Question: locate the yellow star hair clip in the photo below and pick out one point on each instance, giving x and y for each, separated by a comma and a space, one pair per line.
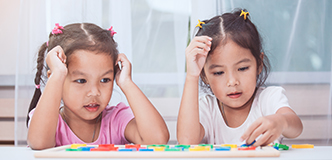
199, 24
244, 14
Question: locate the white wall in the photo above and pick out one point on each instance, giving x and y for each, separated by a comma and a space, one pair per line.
9, 16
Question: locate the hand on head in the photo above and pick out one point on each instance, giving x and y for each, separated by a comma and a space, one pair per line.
196, 54
123, 75
56, 60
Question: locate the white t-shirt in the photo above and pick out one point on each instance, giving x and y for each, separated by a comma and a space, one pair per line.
267, 101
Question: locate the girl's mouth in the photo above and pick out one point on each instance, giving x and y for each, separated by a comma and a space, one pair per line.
234, 95
92, 107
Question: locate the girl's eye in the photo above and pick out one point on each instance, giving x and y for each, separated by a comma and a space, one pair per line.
80, 81
218, 73
243, 68
105, 80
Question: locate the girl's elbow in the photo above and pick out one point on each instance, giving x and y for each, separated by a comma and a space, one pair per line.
295, 131
39, 144
187, 140
163, 138
299, 130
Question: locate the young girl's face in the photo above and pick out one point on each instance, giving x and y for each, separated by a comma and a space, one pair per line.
89, 83
231, 72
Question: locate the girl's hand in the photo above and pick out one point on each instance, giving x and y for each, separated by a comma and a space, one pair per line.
196, 54
269, 127
56, 60
123, 75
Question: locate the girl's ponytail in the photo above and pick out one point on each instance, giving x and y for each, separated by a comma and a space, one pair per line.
38, 79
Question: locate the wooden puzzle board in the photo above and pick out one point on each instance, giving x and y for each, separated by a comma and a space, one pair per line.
59, 152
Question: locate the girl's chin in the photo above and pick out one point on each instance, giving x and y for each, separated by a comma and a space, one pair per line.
235, 105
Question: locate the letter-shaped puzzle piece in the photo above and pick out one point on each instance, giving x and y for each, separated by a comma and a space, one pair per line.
75, 146
247, 148
302, 146
229, 145
222, 148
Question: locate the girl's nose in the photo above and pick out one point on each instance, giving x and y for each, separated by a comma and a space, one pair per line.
232, 81
94, 91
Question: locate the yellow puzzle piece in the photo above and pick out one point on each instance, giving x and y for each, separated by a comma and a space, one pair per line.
302, 146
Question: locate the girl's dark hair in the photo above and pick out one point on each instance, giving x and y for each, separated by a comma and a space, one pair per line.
232, 26
77, 36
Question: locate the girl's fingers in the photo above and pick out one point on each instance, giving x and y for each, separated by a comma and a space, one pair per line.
62, 56
59, 53
198, 51
203, 39
263, 139
257, 132
249, 131
200, 42
201, 45
123, 60
270, 140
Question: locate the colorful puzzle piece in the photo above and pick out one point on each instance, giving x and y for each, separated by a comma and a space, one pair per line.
136, 146
127, 149
222, 149
182, 146
206, 145
280, 146
229, 145
174, 149
247, 148
157, 148
200, 148
302, 146
75, 146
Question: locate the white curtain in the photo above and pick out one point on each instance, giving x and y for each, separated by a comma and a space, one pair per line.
152, 33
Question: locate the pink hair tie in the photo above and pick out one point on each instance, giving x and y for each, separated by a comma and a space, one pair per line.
112, 31
57, 29
47, 43
37, 86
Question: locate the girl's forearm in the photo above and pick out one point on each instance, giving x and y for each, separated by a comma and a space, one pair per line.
150, 124
41, 132
294, 125
189, 130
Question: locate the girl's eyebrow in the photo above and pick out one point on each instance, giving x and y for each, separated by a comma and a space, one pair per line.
241, 61
215, 66
77, 72
108, 72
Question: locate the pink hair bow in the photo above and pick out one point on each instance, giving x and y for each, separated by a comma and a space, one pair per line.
37, 86
57, 28
112, 31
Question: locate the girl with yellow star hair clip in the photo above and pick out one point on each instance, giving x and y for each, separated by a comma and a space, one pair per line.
225, 99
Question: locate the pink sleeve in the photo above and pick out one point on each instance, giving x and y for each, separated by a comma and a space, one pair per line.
123, 115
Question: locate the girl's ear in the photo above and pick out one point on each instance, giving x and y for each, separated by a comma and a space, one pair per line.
262, 63
49, 72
